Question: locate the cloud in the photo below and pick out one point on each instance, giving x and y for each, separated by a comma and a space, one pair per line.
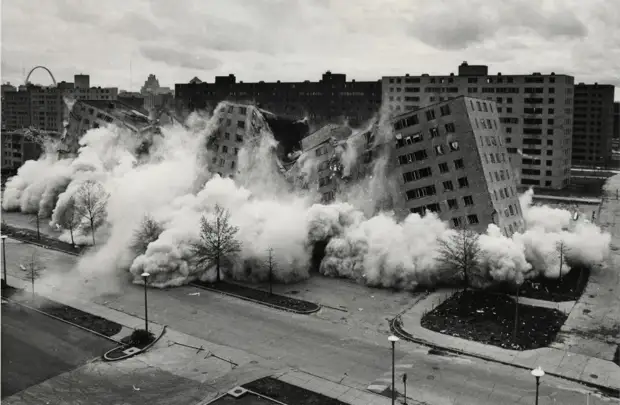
76, 11
173, 57
137, 26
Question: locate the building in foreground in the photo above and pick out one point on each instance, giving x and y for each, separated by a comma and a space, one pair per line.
593, 124
450, 158
617, 119
535, 111
331, 99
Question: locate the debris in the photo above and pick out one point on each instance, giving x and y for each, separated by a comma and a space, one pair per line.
360, 309
135, 389
196, 293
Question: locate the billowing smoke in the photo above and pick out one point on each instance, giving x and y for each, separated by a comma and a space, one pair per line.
175, 185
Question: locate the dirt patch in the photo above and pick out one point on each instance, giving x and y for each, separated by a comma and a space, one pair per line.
289, 393
30, 236
490, 319
289, 303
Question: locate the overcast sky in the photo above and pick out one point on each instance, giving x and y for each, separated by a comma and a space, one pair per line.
295, 40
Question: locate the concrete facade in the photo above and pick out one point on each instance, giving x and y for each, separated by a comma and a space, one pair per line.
453, 160
616, 119
17, 148
535, 111
450, 158
593, 124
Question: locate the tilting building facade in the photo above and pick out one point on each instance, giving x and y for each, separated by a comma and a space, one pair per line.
450, 158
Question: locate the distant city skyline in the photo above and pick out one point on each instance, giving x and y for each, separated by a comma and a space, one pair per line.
291, 40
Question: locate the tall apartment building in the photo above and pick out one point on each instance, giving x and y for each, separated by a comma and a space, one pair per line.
450, 158
16, 110
17, 148
330, 99
535, 111
47, 108
593, 124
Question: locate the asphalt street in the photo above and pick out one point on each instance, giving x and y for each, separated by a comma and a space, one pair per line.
328, 346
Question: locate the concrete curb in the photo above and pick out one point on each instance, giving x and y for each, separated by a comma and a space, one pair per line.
65, 321
105, 358
396, 328
281, 308
44, 246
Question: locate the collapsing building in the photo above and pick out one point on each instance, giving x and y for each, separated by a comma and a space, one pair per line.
449, 158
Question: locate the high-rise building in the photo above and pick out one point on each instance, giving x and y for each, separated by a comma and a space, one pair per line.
17, 148
16, 110
535, 111
82, 81
593, 124
450, 158
330, 99
8, 88
47, 108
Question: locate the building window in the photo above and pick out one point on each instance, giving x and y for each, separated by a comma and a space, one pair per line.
417, 174
232, 164
412, 157
463, 182
430, 115
434, 132
450, 127
457, 222
433, 207
439, 150
468, 200
459, 164
547, 183
236, 151
448, 186
443, 168
453, 204
473, 219
239, 138
454, 145
511, 210
444, 110
421, 192
224, 149
226, 136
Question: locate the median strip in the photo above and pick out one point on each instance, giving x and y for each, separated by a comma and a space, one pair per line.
260, 297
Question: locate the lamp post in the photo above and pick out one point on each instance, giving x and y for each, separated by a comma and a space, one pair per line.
393, 339
405, 386
145, 277
537, 372
4, 259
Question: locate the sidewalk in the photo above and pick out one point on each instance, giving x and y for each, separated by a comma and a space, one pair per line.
558, 362
582, 200
184, 356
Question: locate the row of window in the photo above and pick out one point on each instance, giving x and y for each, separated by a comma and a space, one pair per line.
471, 219
494, 157
452, 203
426, 191
418, 137
489, 80
224, 148
222, 162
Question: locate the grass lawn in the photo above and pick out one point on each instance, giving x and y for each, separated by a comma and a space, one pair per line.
36, 347
569, 288
489, 318
289, 393
293, 304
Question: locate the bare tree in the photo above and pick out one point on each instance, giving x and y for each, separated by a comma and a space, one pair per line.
91, 203
69, 218
148, 232
217, 240
33, 269
518, 283
461, 251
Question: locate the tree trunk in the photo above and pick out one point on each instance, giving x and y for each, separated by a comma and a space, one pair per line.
38, 231
514, 332
217, 266
72, 241
92, 229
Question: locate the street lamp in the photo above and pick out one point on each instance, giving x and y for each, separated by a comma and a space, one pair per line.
537, 372
145, 277
4, 259
393, 339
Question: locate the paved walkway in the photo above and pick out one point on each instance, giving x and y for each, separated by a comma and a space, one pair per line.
176, 354
582, 200
560, 362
